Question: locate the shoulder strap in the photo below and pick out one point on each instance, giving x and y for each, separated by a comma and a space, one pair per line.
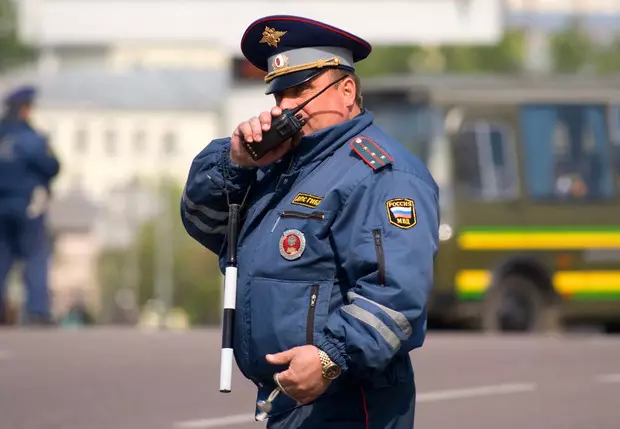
370, 152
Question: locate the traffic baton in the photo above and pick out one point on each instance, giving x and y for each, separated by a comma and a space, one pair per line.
230, 294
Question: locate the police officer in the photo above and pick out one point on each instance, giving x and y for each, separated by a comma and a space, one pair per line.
27, 165
338, 238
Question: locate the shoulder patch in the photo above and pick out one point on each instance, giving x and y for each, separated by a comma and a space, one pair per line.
401, 212
370, 152
307, 200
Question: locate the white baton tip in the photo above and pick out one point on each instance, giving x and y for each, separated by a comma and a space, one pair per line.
230, 287
226, 370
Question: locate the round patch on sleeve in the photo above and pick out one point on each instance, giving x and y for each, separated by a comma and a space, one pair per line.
401, 212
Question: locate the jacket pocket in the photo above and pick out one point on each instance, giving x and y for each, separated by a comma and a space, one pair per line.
295, 247
284, 314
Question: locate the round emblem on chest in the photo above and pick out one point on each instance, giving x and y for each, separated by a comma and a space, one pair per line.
292, 244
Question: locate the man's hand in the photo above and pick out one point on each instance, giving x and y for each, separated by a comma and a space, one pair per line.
303, 380
251, 131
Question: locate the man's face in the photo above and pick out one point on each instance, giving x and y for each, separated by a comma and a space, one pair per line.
332, 107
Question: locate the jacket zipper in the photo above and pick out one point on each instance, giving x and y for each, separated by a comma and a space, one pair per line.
301, 215
314, 296
377, 238
298, 215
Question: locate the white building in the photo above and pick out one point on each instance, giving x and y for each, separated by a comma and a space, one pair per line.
116, 133
109, 129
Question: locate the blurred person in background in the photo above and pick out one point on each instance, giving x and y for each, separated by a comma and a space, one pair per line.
27, 166
338, 240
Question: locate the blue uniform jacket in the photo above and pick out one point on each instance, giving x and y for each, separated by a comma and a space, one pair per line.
357, 282
26, 162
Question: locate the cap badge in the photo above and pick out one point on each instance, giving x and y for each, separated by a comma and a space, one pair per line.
271, 36
292, 244
280, 61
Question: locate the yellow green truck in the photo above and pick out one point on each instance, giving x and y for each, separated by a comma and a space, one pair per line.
529, 172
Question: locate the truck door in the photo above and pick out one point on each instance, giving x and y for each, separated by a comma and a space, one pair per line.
486, 180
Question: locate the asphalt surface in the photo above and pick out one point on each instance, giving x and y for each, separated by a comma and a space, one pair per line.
130, 379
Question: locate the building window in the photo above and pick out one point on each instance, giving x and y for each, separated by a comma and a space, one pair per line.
169, 143
110, 142
81, 141
139, 142
484, 161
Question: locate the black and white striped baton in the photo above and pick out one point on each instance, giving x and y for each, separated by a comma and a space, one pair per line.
230, 293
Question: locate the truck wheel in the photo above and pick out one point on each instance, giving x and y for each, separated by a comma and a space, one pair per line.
514, 305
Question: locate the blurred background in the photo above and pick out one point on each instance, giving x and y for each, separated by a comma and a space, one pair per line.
513, 104
130, 91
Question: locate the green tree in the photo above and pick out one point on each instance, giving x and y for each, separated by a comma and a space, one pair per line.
608, 58
572, 50
507, 56
386, 60
504, 57
12, 51
196, 279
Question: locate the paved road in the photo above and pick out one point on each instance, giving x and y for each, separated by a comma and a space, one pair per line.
128, 379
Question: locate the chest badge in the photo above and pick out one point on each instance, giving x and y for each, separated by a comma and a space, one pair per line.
292, 244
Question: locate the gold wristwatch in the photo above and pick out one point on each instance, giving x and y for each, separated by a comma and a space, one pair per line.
330, 370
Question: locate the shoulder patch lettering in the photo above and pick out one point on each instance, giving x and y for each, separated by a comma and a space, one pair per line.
401, 212
307, 200
370, 152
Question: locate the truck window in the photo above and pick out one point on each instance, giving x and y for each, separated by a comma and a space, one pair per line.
566, 150
484, 162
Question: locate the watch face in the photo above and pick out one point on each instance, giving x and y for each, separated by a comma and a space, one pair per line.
332, 372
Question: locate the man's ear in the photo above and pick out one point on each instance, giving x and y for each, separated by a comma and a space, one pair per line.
349, 90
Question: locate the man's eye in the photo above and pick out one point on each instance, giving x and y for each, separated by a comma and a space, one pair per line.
302, 89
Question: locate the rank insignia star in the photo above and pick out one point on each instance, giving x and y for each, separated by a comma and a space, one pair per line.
271, 36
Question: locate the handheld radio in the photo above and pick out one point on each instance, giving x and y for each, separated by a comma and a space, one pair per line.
283, 127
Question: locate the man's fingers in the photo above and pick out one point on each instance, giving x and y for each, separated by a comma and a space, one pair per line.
265, 120
246, 132
287, 385
257, 132
276, 111
282, 357
284, 378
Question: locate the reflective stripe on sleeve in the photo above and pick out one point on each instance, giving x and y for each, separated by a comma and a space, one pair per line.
370, 319
398, 318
